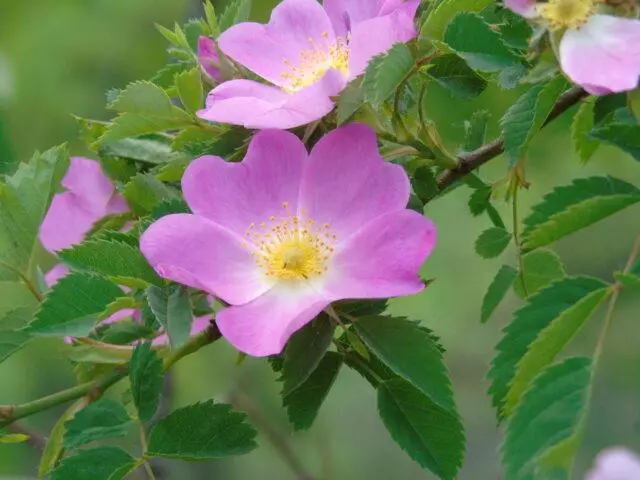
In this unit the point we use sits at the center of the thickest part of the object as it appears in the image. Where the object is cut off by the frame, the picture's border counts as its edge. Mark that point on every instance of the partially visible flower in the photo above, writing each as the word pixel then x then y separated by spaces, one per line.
pixel 309 54
pixel 615 464
pixel 284 233
pixel 599 52
pixel 208 58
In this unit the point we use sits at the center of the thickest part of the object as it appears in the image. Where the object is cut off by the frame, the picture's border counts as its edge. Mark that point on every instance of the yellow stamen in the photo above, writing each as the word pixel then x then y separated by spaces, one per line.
pixel 567 13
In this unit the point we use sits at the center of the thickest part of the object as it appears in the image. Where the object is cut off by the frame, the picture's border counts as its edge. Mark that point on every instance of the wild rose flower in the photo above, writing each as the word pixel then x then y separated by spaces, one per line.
pixel 284 233
pixel 615 464
pixel 599 52
pixel 309 54
pixel 208 58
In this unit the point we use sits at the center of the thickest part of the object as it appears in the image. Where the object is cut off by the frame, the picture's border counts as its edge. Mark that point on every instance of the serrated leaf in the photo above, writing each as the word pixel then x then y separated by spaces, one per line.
pixel 144 193
pixel 237 11
pixel 145 150
pixel 541 267
pixel 124 332
pixel 539 312
pixel 497 290
pixel 622 135
pixel 134 125
pixel 304 402
pixel 479 200
pixel 481 46
pixel 436 23
pixel 350 100
pixel 99 354
pixel 146 380
pixel 411 352
pixel 628 280
pixel 583 123
pixel 72 306
pixel 524 119
pixel 11 342
pixel 165 77
pixel 101 463
pixel 386 72
pixel 200 432
pixel 424 183
pixel 104 418
pixel 190 89
pixel 511 77
pixel 550 343
pixel 429 434
pixel 492 242
pixel 475 130
pixel 212 19
pixel 453 74
pixel 550 417
pixel 172 308
pixel 110 258
pixel 304 351
pixel 570 208
pixel 15 295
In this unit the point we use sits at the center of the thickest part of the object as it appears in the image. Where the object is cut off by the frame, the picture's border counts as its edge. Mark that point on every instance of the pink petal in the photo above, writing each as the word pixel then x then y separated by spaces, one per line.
pixel 208 57
pixel 344 13
pixel 525 8
pixel 383 259
pixel 603 55
pixel 347 184
pixel 85 179
pixel 254 105
pixel 269 50
pixel 196 252
pixel 55 274
pixel 236 195
pixel 615 464
pixel 262 327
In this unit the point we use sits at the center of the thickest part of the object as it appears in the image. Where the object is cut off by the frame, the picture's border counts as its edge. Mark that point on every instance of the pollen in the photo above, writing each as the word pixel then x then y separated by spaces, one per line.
pixel 290 248
pixel 567 13
pixel 314 62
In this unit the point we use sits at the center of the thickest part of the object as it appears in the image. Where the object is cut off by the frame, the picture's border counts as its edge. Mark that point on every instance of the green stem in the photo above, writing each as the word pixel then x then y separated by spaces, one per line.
pixel 28 283
pixel 145 446
pixel 516 237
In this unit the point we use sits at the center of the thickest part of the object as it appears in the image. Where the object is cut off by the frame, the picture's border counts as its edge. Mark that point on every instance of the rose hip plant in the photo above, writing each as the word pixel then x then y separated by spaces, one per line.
pixel 267 188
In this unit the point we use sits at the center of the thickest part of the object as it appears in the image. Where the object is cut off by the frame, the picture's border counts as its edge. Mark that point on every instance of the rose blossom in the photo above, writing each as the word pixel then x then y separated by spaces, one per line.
pixel 615 464
pixel 309 53
pixel 284 233
pixel 599 52
pixel 208 58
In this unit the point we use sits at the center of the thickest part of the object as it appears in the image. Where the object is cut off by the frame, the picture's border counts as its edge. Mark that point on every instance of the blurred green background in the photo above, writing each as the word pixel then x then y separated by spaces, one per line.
pixel 59 57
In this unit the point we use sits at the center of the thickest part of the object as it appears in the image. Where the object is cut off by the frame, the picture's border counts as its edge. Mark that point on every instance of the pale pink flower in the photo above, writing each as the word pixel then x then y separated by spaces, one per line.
pixel 308 53
pixel 285 233
pixel 615 464
pixel 599 52
pixel 208 58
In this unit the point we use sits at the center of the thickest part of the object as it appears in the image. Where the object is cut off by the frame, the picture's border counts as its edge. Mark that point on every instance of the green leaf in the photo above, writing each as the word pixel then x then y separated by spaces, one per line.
pixel 212 19
pixel 237 11
pixel 528 322
pixel 11 342
pixel 550 343
pixel 628 280
pixel 411 352
pixel 350 100
pixel 497 291
pixel 54 448
pixel 15 295
pixel 541 267
pixel 304 402
pixel 524 119
pixel 72 306
pixel 424 183
pixel 124 332
pixel 304 351
pixel 622 135
pixel 550 418
pixel 453 74
pixel 104 418
pixel 13 438
pixel 110 258
pixel 438 20
pixel 475 130
pixel 492 242
pixel 146 380
pixel 480 45
pixel 24 199
pixel 144 193
pixel 144 150
pixel 172 308
pixel 430 434
pixel 201 432
pixel 570 208
pixel 101 463
pixel 583 123
pixel 480 200
pixel 190 90
pixel 386 72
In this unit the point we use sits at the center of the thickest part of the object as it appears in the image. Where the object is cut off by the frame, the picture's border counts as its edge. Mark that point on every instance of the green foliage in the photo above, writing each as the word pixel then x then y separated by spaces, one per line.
pixel 172 308
pixel 425 184
pixel 475 130
pixel 146 380
pixel 13 438
pixel 570 208
pixel 549 420
pixel 350 100
pixel 54 448
pixel 144 193
pixel 147 150
pixel 101 463
pixel 492 242
pixel 237 11
pixel 453 73
pixel 11 342
pixel 200 432
pixel 625 136
pixel 386 72
pixel 190 89
pixel 583 123
pixel 541 267
pixel 104 418
pixel 73 305
pixel 497 291
pixel 436 23
pixel 304 402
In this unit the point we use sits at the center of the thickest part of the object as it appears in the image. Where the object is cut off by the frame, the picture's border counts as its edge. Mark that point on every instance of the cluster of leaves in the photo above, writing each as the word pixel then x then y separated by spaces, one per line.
pixel 464 45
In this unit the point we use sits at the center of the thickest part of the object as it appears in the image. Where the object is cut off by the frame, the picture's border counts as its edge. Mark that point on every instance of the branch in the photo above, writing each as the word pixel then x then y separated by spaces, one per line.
pixel 470 161
pixel 95 388
pixel 36 439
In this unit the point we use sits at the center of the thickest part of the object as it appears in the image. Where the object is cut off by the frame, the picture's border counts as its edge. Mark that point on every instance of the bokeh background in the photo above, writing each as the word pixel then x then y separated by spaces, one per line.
pixel 59 57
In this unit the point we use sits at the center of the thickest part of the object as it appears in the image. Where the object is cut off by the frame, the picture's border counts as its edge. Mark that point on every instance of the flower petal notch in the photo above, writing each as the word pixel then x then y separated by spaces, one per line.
pixel 308 53
pixel 615 464
pixel 284 233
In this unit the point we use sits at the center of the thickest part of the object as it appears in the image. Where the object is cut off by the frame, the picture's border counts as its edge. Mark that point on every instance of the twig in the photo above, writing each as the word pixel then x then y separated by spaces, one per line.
pixel 470 161
pixel 36 439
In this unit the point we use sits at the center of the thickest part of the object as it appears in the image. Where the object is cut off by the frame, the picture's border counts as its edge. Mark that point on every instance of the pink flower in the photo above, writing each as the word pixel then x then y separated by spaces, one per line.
pixel 599 52
pixel 208 58
pixel 309 54
pixel 285 233
pixel 615 464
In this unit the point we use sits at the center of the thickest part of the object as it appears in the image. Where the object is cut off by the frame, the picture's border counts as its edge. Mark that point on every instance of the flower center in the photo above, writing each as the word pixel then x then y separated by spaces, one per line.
pixel 315 62
pixel 567 13
pixel 292 247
